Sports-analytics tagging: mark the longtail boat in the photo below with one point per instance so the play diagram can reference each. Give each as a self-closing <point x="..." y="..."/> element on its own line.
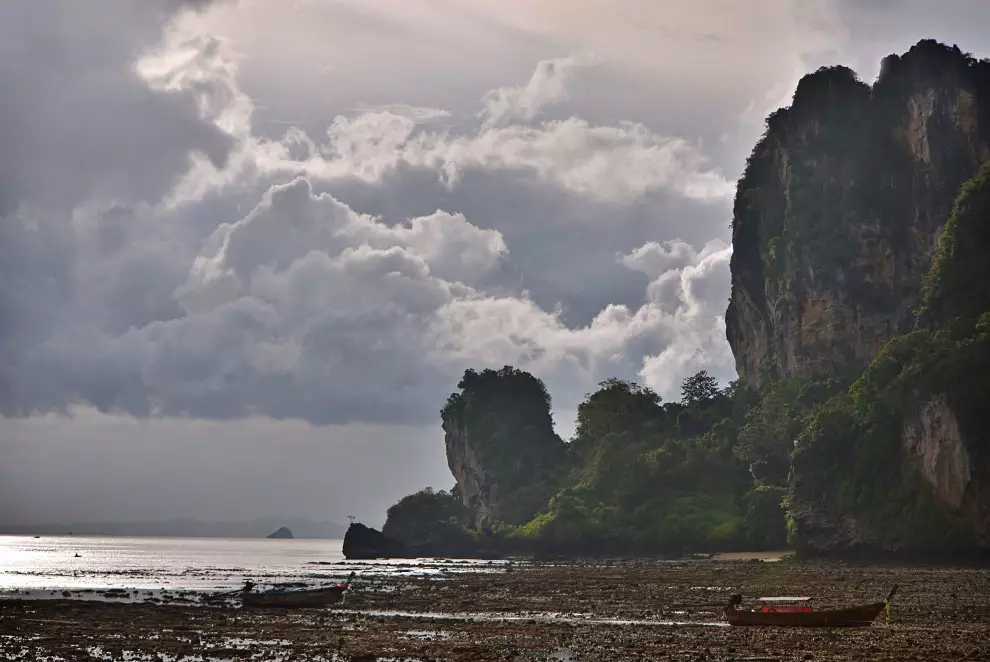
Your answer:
<point x="798" y="612"/>
<point x="312" y="597"/>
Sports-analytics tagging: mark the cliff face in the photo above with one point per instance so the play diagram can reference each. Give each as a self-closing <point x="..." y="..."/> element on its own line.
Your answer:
<point x="478" y="493"/>
<point x="840" y="209"/>
<point x="837" y="269"/>
<point x="934" y="444"/>
<point x="937" y="448"/>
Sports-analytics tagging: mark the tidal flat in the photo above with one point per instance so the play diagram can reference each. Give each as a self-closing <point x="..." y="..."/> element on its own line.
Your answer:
<point x="599" y="611"/>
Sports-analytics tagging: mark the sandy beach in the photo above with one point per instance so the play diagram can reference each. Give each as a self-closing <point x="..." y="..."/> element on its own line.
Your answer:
<point x="596" y="612"/>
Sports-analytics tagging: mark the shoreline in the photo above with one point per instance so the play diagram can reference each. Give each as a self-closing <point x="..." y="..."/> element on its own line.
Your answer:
<point x="596" y="612"/>
<point x="197" y="582"/>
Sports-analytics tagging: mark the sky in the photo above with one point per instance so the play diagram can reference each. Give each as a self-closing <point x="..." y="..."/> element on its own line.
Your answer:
<point x="248" y="247"/>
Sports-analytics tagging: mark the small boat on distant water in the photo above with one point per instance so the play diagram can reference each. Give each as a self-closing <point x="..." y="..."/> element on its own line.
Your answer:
<point x="311" y="597"/>
<point x="798" y="612"/>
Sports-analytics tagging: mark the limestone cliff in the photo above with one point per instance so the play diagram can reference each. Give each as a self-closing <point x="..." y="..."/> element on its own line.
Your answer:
<point x="933" y="443"/>
<point x="855" y="256"/>
<point x="841" y="206"/>
<point x="501" y="447"/>
<point x="937" y="447"/>
<point x="902" y="462"/>
<point x="478" y="492"/>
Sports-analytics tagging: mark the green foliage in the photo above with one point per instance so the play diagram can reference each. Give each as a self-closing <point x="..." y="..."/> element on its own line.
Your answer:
<point x="700" y="388"/>
<point x="519" y="505"/>
<point x="651" y="477"/>
<point x="766" y="439"/>
<point x="851" y="456"/>
<point x="644" y="476"/>
<point x="616" y="405"/>
<point x="959" y="282"/>
<point x="430" y="520"/>
<point x="824" y="448"/>
<point x="765" y="520"/>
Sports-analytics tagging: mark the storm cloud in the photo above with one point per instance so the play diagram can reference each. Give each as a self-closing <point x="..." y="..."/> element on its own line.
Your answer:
<point x="124" y="296"/>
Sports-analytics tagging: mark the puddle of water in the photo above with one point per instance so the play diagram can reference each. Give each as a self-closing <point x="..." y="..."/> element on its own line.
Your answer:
<point x="545" y="617"/>
<point x="428" y="635"/>
<point x="241" y="642"/>
<point x="128" y="596"/>
<point x="97" y="652"/>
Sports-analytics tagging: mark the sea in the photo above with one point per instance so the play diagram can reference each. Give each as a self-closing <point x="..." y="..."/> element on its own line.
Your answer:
<point x="57" y="563"/>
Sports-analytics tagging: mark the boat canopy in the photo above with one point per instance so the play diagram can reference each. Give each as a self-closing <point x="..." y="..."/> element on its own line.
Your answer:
<point x="785" y="599"/>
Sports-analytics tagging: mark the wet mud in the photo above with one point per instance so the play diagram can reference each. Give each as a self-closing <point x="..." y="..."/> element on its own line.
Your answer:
<point x="594" y="612"/>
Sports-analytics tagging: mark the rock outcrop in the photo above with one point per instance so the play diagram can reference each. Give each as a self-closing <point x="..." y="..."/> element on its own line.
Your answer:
<point x="933" y="441"/>
<point x="501" y="446"/>
<point x="364" y="543"/>
<point x="824" y="532"/>
<point x="479" y="493"/>
<point x="841" y="206"/>
<point x="282" y="532"/>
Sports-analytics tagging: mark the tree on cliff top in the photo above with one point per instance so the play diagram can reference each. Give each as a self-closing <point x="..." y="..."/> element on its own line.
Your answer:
<point x="699" y="388"/>
<point x="499" y="386"/>
<point x="616" y="405"/>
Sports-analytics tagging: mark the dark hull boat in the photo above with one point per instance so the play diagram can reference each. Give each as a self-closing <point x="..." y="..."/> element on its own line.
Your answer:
<point x="790" y="616"/>
<point x="314" y="597"/>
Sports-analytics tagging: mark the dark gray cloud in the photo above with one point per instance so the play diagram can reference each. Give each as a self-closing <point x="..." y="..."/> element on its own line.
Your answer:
<point x="77" y="120"/>
<point x="260" y="284"/>
<point x="84" y="138"/>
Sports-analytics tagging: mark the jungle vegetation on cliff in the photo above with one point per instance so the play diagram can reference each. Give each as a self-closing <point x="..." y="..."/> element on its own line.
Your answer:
<point x="639" y="475"/>
<point x="860" y="323"/>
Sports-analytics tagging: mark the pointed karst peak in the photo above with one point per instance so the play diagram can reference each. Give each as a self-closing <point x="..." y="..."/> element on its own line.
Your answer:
<point x="926" y="60"/>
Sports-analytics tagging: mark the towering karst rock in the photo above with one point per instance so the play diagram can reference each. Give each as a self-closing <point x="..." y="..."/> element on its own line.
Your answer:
<point x="837" y="269"/>
<point x="501" y="446"/>
<point x="841" y="206"/>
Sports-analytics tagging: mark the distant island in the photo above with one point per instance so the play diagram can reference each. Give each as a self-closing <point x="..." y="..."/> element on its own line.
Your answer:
<point x="189" y="528"/>
<point x="282" y="532"/>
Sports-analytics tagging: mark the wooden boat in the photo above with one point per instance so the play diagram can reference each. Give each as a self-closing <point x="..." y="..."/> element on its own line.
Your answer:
<point x="797" y="612"/>
<point x="311" y="597"/>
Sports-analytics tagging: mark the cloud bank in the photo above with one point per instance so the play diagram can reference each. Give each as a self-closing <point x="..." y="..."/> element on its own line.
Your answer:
<point x="159" y="256"/>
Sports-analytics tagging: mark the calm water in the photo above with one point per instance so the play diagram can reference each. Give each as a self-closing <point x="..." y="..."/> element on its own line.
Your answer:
<point x="50" y="562"/>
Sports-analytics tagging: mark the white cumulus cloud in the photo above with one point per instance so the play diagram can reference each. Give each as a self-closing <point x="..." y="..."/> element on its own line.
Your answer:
<point x="212" y="271"/>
